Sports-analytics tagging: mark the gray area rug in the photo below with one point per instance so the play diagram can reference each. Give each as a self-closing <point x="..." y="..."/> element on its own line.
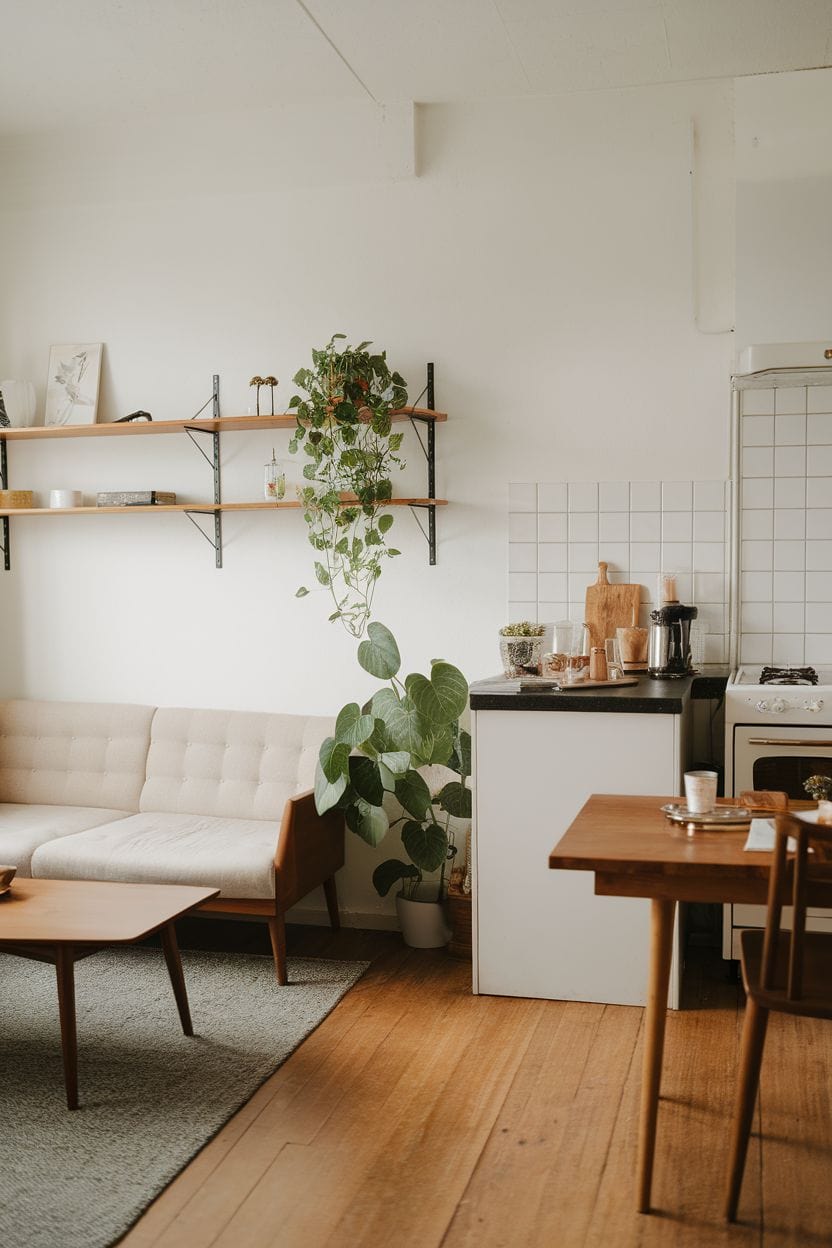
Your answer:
<point x="150" y="1097"/>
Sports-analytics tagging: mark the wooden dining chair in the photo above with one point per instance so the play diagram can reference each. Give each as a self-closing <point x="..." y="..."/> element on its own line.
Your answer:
<point x="786" y="971"/>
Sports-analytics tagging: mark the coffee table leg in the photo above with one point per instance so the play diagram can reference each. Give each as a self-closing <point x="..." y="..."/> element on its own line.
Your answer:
<point x="662" y="914"/>
<point x="177" y="979"/>
<point x="65" y="972"/>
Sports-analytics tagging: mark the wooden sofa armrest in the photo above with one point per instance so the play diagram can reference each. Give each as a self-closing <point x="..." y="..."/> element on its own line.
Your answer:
<point x="310" y="848"/>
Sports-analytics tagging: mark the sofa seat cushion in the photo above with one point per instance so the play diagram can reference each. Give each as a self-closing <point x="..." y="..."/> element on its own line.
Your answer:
<point x="233" y="855"/>
<point x="23" y="828"/>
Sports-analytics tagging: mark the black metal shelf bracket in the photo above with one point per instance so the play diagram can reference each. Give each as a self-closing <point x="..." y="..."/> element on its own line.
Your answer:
<point x="429" y="452"/>
<point x="213" y="460"/>
<point x="5" y="545"/>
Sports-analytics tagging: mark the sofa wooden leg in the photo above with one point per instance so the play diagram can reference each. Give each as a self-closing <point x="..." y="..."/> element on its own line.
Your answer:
<point x="277" y="932"/>
<point x="331" y="894"/>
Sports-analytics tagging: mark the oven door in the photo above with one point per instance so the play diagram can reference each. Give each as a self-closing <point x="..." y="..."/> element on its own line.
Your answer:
<point x="779" y="757"/>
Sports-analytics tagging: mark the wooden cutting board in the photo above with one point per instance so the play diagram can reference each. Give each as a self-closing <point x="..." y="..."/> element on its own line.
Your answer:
<point x="609" y="607"/>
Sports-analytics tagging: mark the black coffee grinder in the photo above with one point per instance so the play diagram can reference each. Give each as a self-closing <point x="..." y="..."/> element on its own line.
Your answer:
<point x="668" y="644"/>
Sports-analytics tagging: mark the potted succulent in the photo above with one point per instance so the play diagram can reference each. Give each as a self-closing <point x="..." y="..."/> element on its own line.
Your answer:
<point x="344" y="429"/>
<point x="521" y="648"/>
<point x="403" y="761"/>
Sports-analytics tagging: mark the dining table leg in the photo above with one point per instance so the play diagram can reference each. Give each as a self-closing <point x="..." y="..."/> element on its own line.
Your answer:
<point x="662" y="915"/>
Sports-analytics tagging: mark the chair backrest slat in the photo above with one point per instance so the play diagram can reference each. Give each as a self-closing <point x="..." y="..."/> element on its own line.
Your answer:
<point x="812" y="853"/>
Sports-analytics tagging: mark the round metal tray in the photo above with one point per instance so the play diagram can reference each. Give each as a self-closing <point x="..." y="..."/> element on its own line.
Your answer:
<point x="720" y="817"/>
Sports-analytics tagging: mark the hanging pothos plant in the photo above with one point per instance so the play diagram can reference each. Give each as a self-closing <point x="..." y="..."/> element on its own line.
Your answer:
<point x="344" y="427"/>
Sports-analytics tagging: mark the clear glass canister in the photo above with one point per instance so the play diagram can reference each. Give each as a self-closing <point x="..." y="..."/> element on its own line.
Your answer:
<point x="274" y="481"/>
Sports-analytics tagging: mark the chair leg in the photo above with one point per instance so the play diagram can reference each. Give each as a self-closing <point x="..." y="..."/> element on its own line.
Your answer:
<point x="751" y="1056"/>
<point x="331" y="894"/>
<point x="277" y="932"/>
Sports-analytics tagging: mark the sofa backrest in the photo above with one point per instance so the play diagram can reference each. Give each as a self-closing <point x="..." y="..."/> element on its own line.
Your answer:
<point x="233" y="764"/>
<point x="73" y="753"/>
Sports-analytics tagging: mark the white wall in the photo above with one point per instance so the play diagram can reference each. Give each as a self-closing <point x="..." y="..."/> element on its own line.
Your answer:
<point x="784" y="208"/>
<point x="542" y="259"/>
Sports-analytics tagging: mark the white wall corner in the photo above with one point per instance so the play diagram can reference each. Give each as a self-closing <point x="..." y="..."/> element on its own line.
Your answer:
<point x="397" y="139"/>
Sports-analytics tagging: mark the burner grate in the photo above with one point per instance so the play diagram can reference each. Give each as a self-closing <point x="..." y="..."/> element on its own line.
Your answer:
<point x="788" y="676"/>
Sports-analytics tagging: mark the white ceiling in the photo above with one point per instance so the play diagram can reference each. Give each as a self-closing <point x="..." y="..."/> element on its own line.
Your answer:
<point x="64" y="64"/>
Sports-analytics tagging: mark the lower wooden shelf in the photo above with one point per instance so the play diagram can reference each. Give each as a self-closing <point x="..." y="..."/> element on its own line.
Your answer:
<point x="285" y="505"/>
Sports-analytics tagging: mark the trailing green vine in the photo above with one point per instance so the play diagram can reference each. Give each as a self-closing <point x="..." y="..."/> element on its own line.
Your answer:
<point x="344" y="428"/>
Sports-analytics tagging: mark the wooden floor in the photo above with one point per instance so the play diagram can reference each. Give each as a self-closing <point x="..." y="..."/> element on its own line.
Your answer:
<point x="419" y="1115"/>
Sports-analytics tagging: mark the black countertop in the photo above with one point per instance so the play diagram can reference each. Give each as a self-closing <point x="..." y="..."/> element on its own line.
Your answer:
<point x="648" y="697"/>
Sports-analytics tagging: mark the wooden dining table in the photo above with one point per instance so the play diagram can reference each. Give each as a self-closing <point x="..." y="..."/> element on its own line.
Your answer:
<point x="635" y="852"/>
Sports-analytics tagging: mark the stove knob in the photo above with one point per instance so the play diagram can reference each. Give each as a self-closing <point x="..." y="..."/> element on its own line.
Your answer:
<point x="815" y="705"/>
<point x="778" y="705"/>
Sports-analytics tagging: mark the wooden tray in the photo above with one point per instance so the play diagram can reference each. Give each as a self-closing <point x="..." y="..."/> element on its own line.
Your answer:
<point x="546" y="683"/>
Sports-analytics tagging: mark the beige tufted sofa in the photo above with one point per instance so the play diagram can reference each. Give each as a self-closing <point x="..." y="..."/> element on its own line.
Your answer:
<point x="170" y="796"/>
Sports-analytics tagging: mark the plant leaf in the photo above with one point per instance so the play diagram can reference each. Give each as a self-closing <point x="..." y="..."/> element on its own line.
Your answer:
<point x="353" y="728"/>
<point x="408" y="728"/>
<point x="397" y="761"/>
<point x="389" y="873"/>
<point x="368" y="822"/>
<point x="327" y="795"/>
<point x="443" y="744"/>
<point x="334" y="757"/>
<point x="379" y="654"/>
<point x="384" y="523"/>
<point x="427" y="844"/>
<point x="456" y="800"/>
<point x="365" y="778"/>
<point x="413" y="794"/>
<point x="460" y="760"/>
<point x="302" y="592"/>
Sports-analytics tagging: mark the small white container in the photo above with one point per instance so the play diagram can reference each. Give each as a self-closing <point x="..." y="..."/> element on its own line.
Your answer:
<point x="700" y="791"/>
<point x="61" y="499"/>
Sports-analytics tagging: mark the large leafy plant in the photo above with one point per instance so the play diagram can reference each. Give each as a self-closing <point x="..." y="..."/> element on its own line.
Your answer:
<point x="372" y="763"/>
<point x="344" y="428"/>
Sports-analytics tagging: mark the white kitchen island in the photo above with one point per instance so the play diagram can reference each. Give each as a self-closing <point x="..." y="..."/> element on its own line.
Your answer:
<point x="537" y="757"/>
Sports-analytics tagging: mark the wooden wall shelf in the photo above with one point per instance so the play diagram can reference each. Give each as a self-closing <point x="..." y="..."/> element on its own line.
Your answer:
<point x="219" y="424"/>
<point x="285" y="505"/>
<point x="213" y="426"/>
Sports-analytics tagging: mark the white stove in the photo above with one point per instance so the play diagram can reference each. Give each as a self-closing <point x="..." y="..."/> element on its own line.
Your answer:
<point x="778" y="732"/>
<point x="778" y="695"/>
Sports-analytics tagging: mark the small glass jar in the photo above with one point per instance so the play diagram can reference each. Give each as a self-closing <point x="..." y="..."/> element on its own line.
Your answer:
<point x="274" y="481"/>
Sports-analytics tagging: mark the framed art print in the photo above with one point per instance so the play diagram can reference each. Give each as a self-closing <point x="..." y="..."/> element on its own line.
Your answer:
<point x="72" y="385"/>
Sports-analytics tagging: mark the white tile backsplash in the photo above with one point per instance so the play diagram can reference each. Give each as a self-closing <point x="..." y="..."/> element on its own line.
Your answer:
<point x="819" y="522"/>
<point x="790" y="399"/>
<point x="819" y="461"/>
<point x="638" y="528"/>
<point x="790" y="492"/>
<point x="790" y="429"/>
<point x="522" y="557"/>
<point x="758" y="403"/>
<point x="758" y="431"/>
<point x="790" y="461"/>
<point x="756" y="586"/>
<point x="819" y="492"/>
<point x="583" y="526"/>
<point x="677" y="495"/>
<point x="583" y="496"/>
<point x="645" y="526"/>
<point x="757" y="461"/>
<point x="522" y="497"/>
<point x="551" y="496"/>
<point x="819" y="399"/>
<point x="552" y="557"/>
<point x="614" y="496"/>
<point x="551" y="526"/>
<point x="789" y="587"/>
<point x="789" y="556"/>
<point x="757" y="493"/>
<point x="677" y="526"/>
<point x="819" y="429"/>
<point x="789" y="523"/>
<point x="614" y="526"/>
<point x="758" y="525"/>
<point x="645" y="496"/>
<point x="709" y="495"/>
<point x="522" y="526"/>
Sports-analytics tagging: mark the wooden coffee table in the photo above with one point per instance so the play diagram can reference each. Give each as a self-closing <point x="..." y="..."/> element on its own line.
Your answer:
<point x="62" y="921"/>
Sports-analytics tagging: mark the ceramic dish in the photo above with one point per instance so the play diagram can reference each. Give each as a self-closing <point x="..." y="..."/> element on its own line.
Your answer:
<point x="720" y="817"/>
